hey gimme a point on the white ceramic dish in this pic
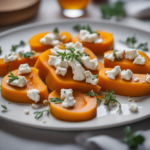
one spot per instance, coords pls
(105, 117)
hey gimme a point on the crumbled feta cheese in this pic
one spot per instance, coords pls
(73, 63)
(85, 36)
(33, 105)
(51, 39)
(64, 93)
(61, 71)
(109, 56)
(10, 57)
(34, 95)
(133, 107)
(89, 64)
(78, 73)
(78, 47)
(24, 69)
(47, 108)
(139, 60)
(68, 102)
(119, 54)
(21, 82)
(45, 102)
(55, 50)
(62, 37)
(69, 45)
(44, 121)
(89, 76)
(148, 78)
(26, 111)
(126, 74)
(113, 73)
(136, 79)
(131, 54)
(57, 62)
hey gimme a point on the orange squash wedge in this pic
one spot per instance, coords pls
(15, 64)
(38, 47)
(98, 48)
(128, 64)
(57, 82)
(123, 87)
(17, 94)
(84, 109)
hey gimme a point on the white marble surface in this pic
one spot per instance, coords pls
(13, 136)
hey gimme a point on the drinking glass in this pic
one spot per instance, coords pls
(73, 8)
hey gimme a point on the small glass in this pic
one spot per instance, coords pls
(73, 8)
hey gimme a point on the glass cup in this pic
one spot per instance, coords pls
(73, 8)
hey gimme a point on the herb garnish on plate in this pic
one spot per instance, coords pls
(56, 100)
(26, 54)
(0, 50)
(39, 114)
(14, 47)
(4, 106)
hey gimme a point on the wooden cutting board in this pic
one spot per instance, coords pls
(14, 11)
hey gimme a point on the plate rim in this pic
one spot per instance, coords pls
(37, 24)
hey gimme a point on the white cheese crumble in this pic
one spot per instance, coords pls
(148, 78)
(89, 64)
(110, 56)
(119, 54)
(26, 111)
(78, 47)
(57, 62)
(21, 82)
(113, 73)
(68, 102)
(89, 76)
(133, 107)
(139, 60)
(34, 95)
(45, 102)
(131, 54)
(136, 79)
(55, 50)
(126, 74)
(10, 57)
(24, 69)
(61, 71)
(33, 105)
(66, 93)
(69, 45)
(85, 36)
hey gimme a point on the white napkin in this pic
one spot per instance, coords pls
(104, 142)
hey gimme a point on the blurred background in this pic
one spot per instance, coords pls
(14, 13)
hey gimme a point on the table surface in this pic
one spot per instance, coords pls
(22, 137)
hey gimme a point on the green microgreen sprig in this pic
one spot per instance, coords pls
(26, 54)
(14, 47)
(131, 41)
(94, 76)
(4, 107)
(56, 30)
(132, 140)
(110, 98)
(1, 50)
(78, 27)
(39, 114)
(56, 100)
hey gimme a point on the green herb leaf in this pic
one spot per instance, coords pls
(110, 98)
(114, 52)
(78, 27)
(0, 50)
(26, 55)
(119, 58)
(39, 114)
(56, 30)
(12, 77)
(91, 93)
(14, 47)
(98, 100)
(4, 106)
(113, 10)
(94, 76)
(131, 41)
(132, 140)
(56, 100)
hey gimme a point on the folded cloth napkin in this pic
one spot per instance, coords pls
(104, 142)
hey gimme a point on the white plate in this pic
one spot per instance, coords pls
(105, 118)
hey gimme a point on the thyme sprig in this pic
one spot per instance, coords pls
(56, 100)
(71, 55)
(132, 140)
(1, 50)
(94, 76)
(114, 53)
(110, 98)
(14, 47)
(56, 30)
(39, 114)
(26, 54)
(4, 106)
(131, 41)
(78, 27)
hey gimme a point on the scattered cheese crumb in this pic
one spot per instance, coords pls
(24, 69)
(110, 56)
(10, 57)
(66, 93)
(78, 47)
(136, 79)
(129, 100)
(45, 102)
(33, 105)
(119, 54)
(26, 111)
(148, 78)
(131, 54)
(68, 102)
(61, 71)
(44, 121)
(34, 95)
(126, 74)
(139, 60)
(133, 107)
(89, 76)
